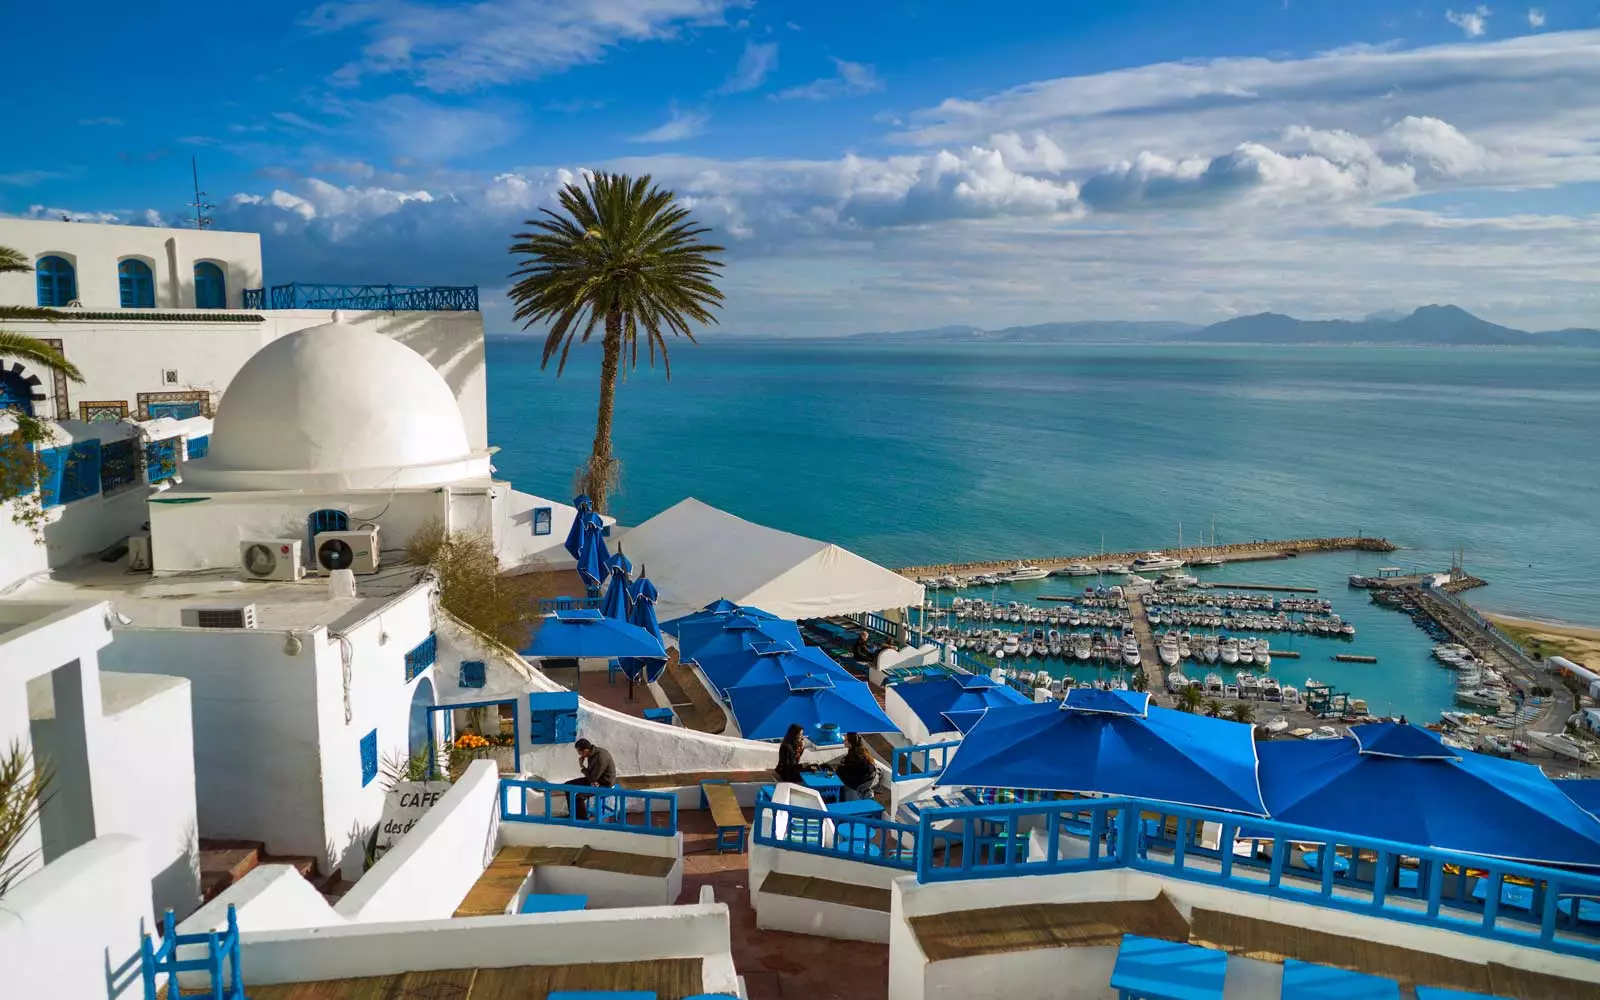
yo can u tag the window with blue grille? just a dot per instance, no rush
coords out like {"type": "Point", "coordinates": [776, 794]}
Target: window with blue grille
{"type": "Point", "coordinates": [210, 287]}
{"type": "Point", "coordinates": [541, 520]}
{"type": "Point", "coordinates": [369, 758]}
{"type": "Point", "coordinates": [161, 459]}
{"type": "Point", "coordinates": [15, 392]}
{"type": "Point", "coordinates": [120, 463]}
{"type": "Point", "coordinates": [137, 284]}
{"type": "Point", "coordinates": [197, 447]}
{"type": "Point", "coordinates": [71, 472]}
{"type": "Point", "coordinates": [422, 656]}
{"type": "Point", "coordinates": [328, 520]}
{"type": "Point", "coordinates": [177, 411]}
{"type": "Point", "coordinates": [472, 674]}
{"type": "Point", "coordinates": [57, 281]}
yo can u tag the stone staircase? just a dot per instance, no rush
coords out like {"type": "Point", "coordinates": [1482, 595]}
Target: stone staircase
{"type": "Point", "coordinates": [224, 862]}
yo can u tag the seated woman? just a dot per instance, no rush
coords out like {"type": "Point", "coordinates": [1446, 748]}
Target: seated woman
{"type": "Point", "coordinates": [789, 753]}
{"type": "Point", "coordinates": [857, 770]}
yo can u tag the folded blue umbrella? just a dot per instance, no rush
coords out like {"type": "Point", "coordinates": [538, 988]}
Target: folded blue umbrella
{"type": "Point", "coordinates": [618, 601]}
{"type": "Point", "coordinates": [594, 560]}
{"type": "Point", "coordinates": [644, 616]}
{"type": "Point", "coordinates": [588, 633]}
{"type": "Point", "coordinates": [574, 542]}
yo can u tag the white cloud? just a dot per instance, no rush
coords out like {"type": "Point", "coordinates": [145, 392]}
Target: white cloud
{"type": "Point", "coordinates": [679, 125]}
{"type": "Point", "coordinates": [849, 79]}
{"type": "Point", "coordinates": [1474, 22]}
{"type": "Point", "coordinates": [1435, 148]}
{"type": "Point", "coordinates": [1535, 18]}
{"type": "Point", "coordinates": [755, 63]}
{"type": "Point", "coordinates": [460, 47]}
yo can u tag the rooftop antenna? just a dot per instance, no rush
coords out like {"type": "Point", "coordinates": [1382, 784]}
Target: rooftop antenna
{"type": "Point", "coordinates": [200, 205]}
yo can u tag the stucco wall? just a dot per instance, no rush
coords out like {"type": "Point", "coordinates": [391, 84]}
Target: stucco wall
{"type": "Point", "coordinates": [268, 898]}
{"type": "Point", "coordinates": [427, 874]}
{"type": "Point", "coordinates": [72, 929]}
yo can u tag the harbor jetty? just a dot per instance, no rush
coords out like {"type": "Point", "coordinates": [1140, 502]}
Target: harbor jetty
{"type": "Point", "coordinates": [1234, 552]}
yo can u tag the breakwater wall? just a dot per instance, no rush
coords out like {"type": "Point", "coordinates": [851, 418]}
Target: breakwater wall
{"type": "Point", "coordinates": [1235, 552]}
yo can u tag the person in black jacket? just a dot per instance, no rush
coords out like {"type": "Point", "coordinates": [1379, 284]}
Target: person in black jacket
{"type": "Point", "coordinates": [599, 771]}
{"type": "Point", "coordinates": [857, 770]}
{"type": "Point", "coordinates": [789, 753]}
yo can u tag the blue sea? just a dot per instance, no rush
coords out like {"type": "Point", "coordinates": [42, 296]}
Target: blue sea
{"type": "Point", "coordinates": [913, 454]}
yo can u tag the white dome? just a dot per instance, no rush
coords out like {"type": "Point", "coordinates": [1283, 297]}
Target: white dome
{"type": "Point", "coordinates": [338, 400]}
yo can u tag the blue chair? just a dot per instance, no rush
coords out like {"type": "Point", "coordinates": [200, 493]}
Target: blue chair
{"type": "Point", "coordinates": [1512, 896]}
{"type": "Point", "coordinates": [661, 715]}
{"type": "Point", "coordinates": [613, 668]}
{"type": "Point", "coordinates": [1313, 861]}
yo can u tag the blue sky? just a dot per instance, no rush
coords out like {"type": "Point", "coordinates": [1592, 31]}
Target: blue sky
{"type": "Point", "coordinates": [883, 165]}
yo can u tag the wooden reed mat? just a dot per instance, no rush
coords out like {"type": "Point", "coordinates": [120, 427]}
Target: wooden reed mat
{"type": "Point", "coordinates": [824, 890]}
{"type": "Point", "coordinates": [966, 933]}
{"type": "Point", "coordinates": [670, 979]}
{"type": "Point", "coordinates": [690, 699]}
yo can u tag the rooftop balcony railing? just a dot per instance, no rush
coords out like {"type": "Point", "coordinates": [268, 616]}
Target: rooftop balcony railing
{"type": "Point", "coordinates": [922, 760]}
{"type": "Point", "coordinates": [385, 298]}
{"type": "Point", "coordinates": [831, 835]}
{"type": "Point", "coordinates": [620, 809]}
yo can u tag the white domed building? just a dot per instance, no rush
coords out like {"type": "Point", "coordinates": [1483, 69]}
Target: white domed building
{"type": "Point", "coordinates": [337, 428]}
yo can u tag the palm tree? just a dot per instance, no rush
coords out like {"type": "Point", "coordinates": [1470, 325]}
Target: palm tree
{"type": "Point", "coordinates": [622, 255]}
{"type": "Point", "coordinates": [1189, 699]}
{"type": "Point", "coordinates": [19, 345]}
{"type": "Point", "coordinates": [1244, 712]}
{"type": "Point", "coordinates": [1140, 682]}
{"type": "Point", "coordinates": [1213, 708]}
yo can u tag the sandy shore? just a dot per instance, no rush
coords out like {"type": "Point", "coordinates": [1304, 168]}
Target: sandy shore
{"type": "Point", "coordinates": [1575, 642]}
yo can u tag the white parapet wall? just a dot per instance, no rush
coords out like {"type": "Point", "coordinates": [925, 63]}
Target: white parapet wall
{"type": "Point", "coordinates": [427, 874]}
{"type": "Point", "coordinates": [268, 898]}
{"type": "Point", "coordinates": [604, 889]}
{"type": "Point", "coordinates": [72, 929]}
{"type": "Point", "coordinates": [1049, 973]}
{"type": "Point", "coordinates": [699, 931]}
{"type": "Point", "coordinates": [809, 916]}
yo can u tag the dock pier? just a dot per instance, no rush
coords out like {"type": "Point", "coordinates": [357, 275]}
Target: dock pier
{"type": "Point", "coordinates": [1149, 660]}
{"type": "Point", "coordinates": [1235, 552]}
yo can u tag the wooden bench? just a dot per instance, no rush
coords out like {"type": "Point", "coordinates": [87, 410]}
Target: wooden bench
{"type": "Point", "coordinates": [688, 779]}
{"type": "Point", "coordinates": [1001, 930]}
{"type": "Point", "coordinates": [717, 796]}
{"type": "Point", "coordinates": [823, 890]}
{"type": "Point", "coordinates": [492, 894]}
{"type": "Point", "coordinates": [669, 978]}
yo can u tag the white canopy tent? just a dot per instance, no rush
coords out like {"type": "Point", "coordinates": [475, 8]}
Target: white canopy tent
{"type": "Point", "coordinates": [695, 553]}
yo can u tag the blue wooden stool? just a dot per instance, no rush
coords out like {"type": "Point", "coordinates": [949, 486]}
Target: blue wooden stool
{"type": "Point", "coordinates": [1152, 969]}
{"type": "Point", "coordinates": [1309, 981]}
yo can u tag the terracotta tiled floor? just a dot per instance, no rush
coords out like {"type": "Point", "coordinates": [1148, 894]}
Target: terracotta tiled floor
{"type": "Point", "coordinates": [592, 685]}
{"type": "Point", "coordinates": [776, 964]}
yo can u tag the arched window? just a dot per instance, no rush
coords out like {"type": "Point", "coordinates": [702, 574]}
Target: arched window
{"type": "Point", "coordinates": [58, 281]}
{"type": "Point", "coordinates": [210, 287]}
{"type": "Point", "coordinates": [16, 393]}
{"type": "Point", "coordinates": [138, 285]}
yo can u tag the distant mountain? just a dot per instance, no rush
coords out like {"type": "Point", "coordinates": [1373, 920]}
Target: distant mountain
{"type": "Point", "coordinates": [1428, 325]}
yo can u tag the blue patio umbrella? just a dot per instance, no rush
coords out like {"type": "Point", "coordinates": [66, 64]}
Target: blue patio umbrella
{"type": "Point", "coordinates": [955, 703]}
{"type": "Point", "coordinates": [1395, 781]}
{"type": "Point", "coordinates": [734, 633]}
{"type": "Point", "coordinates": [574, 542]}
{"type": "Point", "coordinates": [1584, 791]}
{"type": "Point", "coordinates": [766, 711]}
{"type": "Point", "coordinates": [644, 616]}
{"type": "Point", "coordinates": [768, 663]}
{"type": "Point", "coordinates": [575, 634]}
{"type": "Point", "coordinates": [717, 610]}
{"type": "Point", "coordinates": [1112, 743]}
{"type": "Point", "coordinates": [618, 601]}
{"type": "Point", "coordinates": [594, 560]}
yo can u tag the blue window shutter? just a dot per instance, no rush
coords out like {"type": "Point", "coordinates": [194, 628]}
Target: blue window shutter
{"type": "Point", "coordinates": [161, 459]}
{"type": "Point", "coordinates": [54, 462]}
{"type": "Point", "coordinates": [210, 287]}
{"type": "Point", "coordinates": [57, 281]}
{"type": "Point", "coordinates": [136, 284]}
{"type": "Point", "coordinates": [197, 447]}
{"type": "Point", "coordinates": [541, 520]}
{"type": "Point", "coordinates": [369, 758]}
{"type": "Point", "coordinates": [422, 656]}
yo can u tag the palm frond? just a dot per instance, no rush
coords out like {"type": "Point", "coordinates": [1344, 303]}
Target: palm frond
{"type": "Point", "coordinates": [24, 787]}
{"type": "Point", "coordinates": [9, 313]}
{"type": "Point", "coordinates": [14, 261]}
{"type": "Point", "coordinates": [34, 351]}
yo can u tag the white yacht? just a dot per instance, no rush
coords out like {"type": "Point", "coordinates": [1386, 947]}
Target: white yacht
{"type": "Point", "coordinates": [1249, 687]}
{"type": "Point", "coordinates": [1229, 649]}
{"type": "Point", "coordinates": [1081, 646]}
{"type": "Point", "coordinates": [1115, 569]}
{"type": "Point", "coordinates": [1130, 652]}
{"type": "Point", "coordinates": [1325, 733]}
{"type": "Point", "coordinates": [1270, 689]}
{"type": "Point", "coordinates": [1562, 745]}
{"type": "Point", "coordinates": [1076, 569]}
{"type": "Point", "coordinates": [1214, 684]}
{"type": "Point", "coordinates": [1022, 571]}
{"type": "Point", "coordinates": [1153, 562]}
{"type": "Point", "coordinates": [1168, 650]}
{"type": "Point", "coordinates": [1482, 697]}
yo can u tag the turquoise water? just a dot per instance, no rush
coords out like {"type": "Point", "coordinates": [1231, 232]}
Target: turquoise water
{"type": "Point", "coordinates": [919, 454]}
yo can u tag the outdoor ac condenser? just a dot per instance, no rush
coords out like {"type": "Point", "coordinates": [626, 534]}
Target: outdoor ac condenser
{"type": "Point", "coordinates": [356, 551]}
{"type": "Point", "coordinates": [271, 559]}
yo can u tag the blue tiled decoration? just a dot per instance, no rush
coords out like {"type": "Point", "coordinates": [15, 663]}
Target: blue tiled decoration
{"type": "Point", "coordinates": [369, 758]}
{"type": "Point", "coordinates": [471, 674]}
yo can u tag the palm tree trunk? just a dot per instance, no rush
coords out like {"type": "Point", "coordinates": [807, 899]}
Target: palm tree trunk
{"type": "Point", "coordinates": [601, 464]}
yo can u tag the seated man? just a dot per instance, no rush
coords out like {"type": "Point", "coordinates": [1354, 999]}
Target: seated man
{"type": "Point", "coordinates": [864, 650]}
{"type": "Point", "coordinates": [599, 771]}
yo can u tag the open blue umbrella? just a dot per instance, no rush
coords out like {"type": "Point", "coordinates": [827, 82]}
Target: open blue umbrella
{"type": "Point", "coordinates": [717, 610]}
{"type": "Point", "coordinates": [1395, 781]}
{"type": "Point", "coordinates": [768, 663]}
{"type": "Point", "coordinates": [732, 634]}
{"type": "Point", "coordinates": [1584, 791]}
{"type": "Point", "coordinates": [586, 632]}
{"type": "Point", "coordinates": [574, 542]}
{"type": "Point", "coordinates": [766, 711]}
{"type": "Point", "coordinates": [594, 560]}
{"type": "Point", "coordinates": [618, 602]}
{"type": "Point", "coordinates": [955, 703]}
{"type": "Point", "coordinates": [1112, 743]}
{"type": "Point", "coordinates": [644, 616]}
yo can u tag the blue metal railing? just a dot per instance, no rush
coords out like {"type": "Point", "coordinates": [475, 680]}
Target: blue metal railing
{"type": "Point", "coordinates": [156, 961]}
{"type": "Point", "coordinates": [1369, 876]}
{"type": "Point", "coordinates": [623, 809]}
{"type": "Point", "coordinates": [881, 625]}
{"type": "Point", "coordinates": [848, 838]}
{"type": "Point", "coordinates": [923, 760]}
{"type": "Point", "coordinates": [387, 298]}
{"type": "Point", "coordinates": [550, 605]}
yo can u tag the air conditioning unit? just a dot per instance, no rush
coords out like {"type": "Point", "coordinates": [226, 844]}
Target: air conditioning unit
{"type": "Point", "coordinates": [271, 559]}
{"type": "Point", "coordinates": [139, 551]}
{"type": "Point", "coordinates": [236, 616]}
{"type": "Point", "coordinates": [356, 551]}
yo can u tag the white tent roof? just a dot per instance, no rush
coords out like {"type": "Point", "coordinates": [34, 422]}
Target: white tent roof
{"type": "Point", "coordinates": [695, 553]}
